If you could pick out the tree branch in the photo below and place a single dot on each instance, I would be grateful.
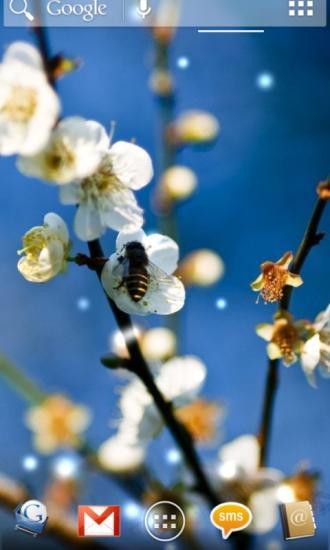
(141, 369)
(138, 363)
(310, 239)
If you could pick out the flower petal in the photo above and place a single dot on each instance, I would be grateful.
(25, 53)
(120, 211)
(87, 222)
(323, 320)
(181, 379)
(70, 193)
(243, 452)
(168, 298)
(273, 351)
(265, 331)
(57, 224)
(311, 357)
(118, 456)
(258, 284)
(131, 164)
(125, 237)
(163, 252)
(285, 260)
(294, 280)
(264, 507)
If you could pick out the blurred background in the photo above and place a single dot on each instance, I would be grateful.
(256, 189)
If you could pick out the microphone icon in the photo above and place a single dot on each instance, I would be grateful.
(143, 9)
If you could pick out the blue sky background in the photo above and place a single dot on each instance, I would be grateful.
(256, 191)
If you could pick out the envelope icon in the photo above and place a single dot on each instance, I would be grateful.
(99, 521)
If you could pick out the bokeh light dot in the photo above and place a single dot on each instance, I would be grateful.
(221, 304)
(65, 467)
(132, 510)
(265, 81)
(30, 463)
(173, 456)
(183, 62)
(83, 303)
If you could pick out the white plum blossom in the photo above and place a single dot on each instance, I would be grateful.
(180, 380)
(73, 151)
(120, 456)
(45, 250)
(239, 460)
(29, 107)
(97, 177)
(316, 350)
(105, 197)
(165, 293)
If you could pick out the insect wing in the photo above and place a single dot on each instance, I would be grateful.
(170, 289)
(121, 270)
(159, 276)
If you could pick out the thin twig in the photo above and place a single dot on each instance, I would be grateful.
(311, 238)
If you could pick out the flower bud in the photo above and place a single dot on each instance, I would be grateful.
(158, 344)
(161, 83)
(323, 190)
(178, 182)
(201, 268)
(166, 21)
(194, 128)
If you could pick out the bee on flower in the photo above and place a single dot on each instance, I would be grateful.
(29, 107)
(45, 250)
(138, 276)
(57, 422)
(274, 277)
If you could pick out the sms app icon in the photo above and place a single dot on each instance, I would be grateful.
(230, 517)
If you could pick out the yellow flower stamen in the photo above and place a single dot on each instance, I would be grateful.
(285, 336)
(21, 105)
(274, 277)
(103, 181)
(59, 157)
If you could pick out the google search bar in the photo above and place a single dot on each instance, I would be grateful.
(184, 13)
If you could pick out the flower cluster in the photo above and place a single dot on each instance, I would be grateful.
(92, 173)
(95, 175)
(290, 340)
(180, 380)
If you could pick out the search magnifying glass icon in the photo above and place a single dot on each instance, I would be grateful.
(21, 10)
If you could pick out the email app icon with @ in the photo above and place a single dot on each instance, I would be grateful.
(99, 521)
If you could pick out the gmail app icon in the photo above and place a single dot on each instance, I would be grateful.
(99, 521)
